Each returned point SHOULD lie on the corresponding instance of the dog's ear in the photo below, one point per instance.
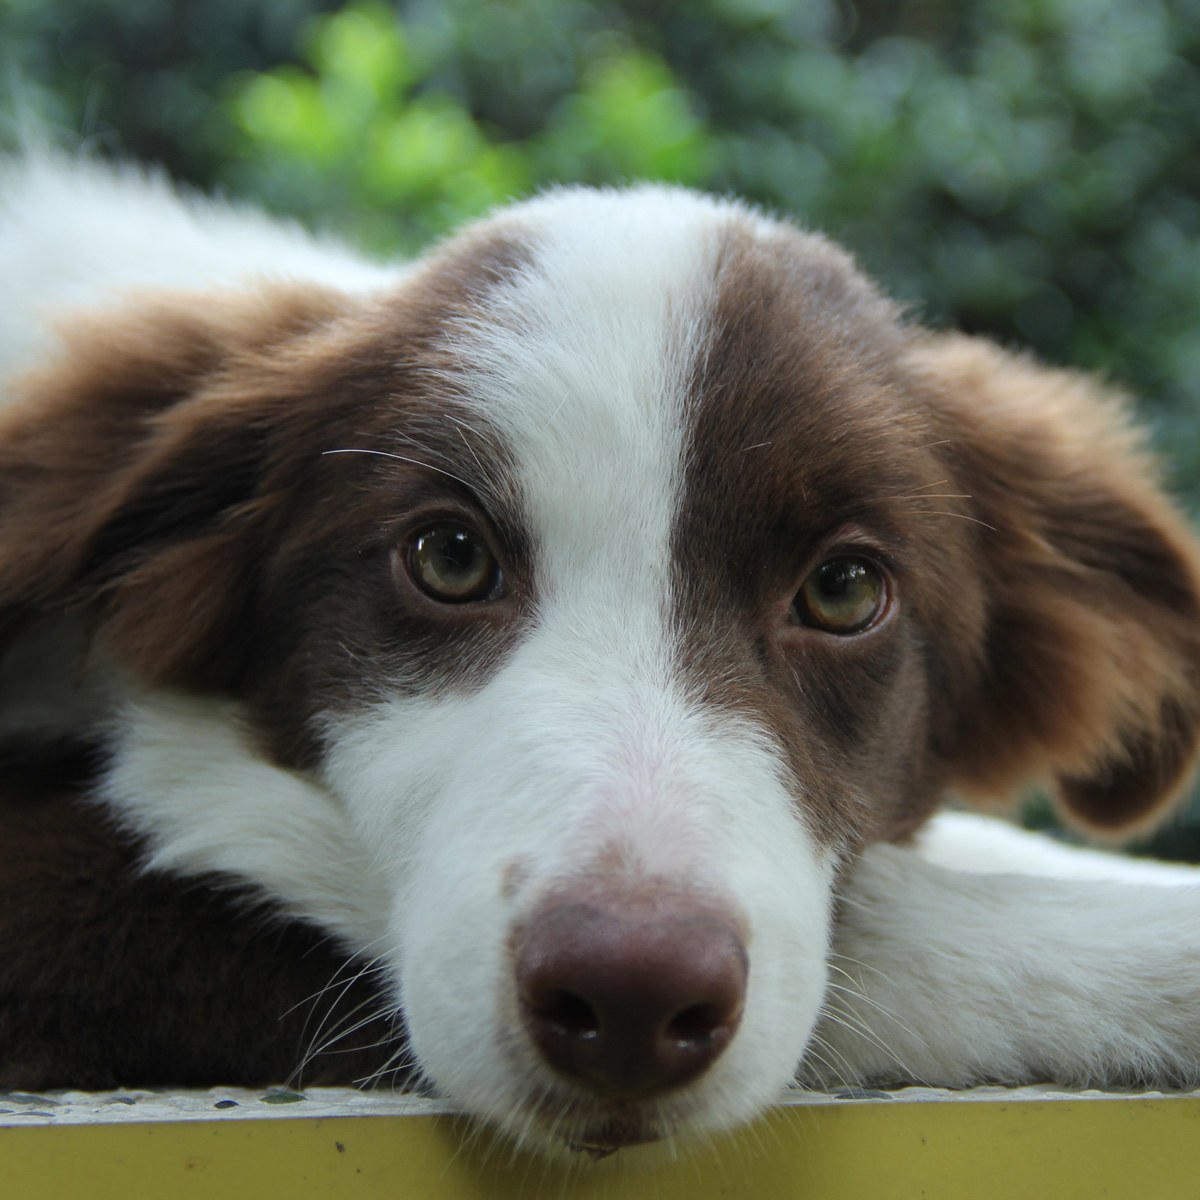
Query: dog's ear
(1089, 677)
(134, 471)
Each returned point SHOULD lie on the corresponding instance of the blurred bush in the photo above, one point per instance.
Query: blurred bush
(379, 124)
(1027, 168)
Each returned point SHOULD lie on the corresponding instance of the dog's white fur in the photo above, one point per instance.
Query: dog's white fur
(956, 977)
(939, 974)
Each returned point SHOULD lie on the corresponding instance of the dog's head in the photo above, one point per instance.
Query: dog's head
(556, 627)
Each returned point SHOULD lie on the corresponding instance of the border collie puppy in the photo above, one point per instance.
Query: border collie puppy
(524, 673)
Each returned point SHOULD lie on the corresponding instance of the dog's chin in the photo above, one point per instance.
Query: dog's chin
(604, 1133)
(596, 1128)
(608, 1134)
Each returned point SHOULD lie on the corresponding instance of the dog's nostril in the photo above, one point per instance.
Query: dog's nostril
(569, 1014)
(630, 1003)
(697, 1024)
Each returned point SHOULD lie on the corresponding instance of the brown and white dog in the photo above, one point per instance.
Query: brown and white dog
(522, 672)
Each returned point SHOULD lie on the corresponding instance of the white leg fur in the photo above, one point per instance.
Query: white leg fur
(955, 978)
(987, 846)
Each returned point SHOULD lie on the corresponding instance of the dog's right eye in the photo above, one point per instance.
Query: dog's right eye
(453, 565)
(846, 594)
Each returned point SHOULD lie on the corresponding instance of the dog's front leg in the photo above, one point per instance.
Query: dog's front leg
(950, 978)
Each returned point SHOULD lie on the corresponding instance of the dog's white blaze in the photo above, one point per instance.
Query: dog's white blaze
(585, 740)
(582, 364)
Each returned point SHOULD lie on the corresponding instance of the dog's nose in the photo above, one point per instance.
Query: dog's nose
(630, 1000)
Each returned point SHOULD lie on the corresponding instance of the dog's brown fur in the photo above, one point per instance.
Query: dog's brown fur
(110, 976)
(1089, 681)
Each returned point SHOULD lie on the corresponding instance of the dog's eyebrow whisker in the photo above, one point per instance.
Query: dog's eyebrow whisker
(935, 496)
(416, 462)
(922, 492)
(460, 422)
(462, 433)
(937, 512)
(755, 446)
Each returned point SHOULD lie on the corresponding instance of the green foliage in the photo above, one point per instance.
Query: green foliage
(367, 124)
(349, 133)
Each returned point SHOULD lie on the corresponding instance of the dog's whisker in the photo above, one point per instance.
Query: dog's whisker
(856, 962)
(347, 1027)
(416, 462)
(854, 1025)
(933, 512)
(855, 990)
(935, 496)
(820, 1050)
(315, 1046)
(339, 980)
(332, 1048)
(400, 1060)
(882, 1009)
(838, 1014)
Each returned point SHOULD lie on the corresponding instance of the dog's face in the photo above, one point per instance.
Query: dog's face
(557, 627)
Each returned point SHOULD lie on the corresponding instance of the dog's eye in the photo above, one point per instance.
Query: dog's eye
(453, 565)
(844, 595)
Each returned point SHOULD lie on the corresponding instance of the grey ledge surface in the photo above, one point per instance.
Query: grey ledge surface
(239, 1104)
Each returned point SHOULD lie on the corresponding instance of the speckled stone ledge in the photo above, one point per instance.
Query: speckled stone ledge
(236, 1104)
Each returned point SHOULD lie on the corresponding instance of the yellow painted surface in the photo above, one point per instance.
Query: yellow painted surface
(1025, 1150)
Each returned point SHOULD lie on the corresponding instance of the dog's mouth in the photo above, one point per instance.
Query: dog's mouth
(608, 1136)
(597, 1129)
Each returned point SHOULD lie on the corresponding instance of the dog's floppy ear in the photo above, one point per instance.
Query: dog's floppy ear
(133, 471)
(1089, 679)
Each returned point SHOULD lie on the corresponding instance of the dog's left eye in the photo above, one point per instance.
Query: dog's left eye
(453, 565)
(845, 594)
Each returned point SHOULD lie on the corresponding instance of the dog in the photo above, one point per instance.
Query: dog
(530, 673)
